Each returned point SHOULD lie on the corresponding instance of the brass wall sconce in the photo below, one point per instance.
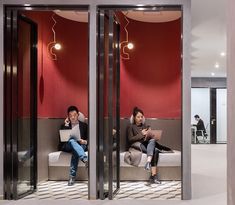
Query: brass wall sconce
(53, 44)
(126, 44)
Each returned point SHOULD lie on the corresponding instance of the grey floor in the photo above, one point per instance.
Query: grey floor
(208, 183)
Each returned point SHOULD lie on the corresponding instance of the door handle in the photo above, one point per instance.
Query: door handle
(213, 121)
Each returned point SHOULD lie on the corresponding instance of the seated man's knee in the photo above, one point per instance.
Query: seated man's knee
(72, 140)
(152, 141)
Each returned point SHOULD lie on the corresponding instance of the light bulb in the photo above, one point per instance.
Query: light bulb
(212, 74)
(130, 46)
(57, 46)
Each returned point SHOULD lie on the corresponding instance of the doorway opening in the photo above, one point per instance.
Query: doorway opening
(139, 65)
(210, 104)
(46, 72)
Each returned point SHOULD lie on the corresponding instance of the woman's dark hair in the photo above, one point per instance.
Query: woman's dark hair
(136, 110)
(72, 108)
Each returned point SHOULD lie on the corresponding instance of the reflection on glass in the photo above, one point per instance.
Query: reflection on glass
(24, 148)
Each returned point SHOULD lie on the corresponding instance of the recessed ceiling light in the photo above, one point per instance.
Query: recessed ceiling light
(216, 65)
(212, 74)
(222, 54)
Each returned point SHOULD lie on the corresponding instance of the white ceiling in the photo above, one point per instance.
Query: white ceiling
(81, 16)
(153, 16)
(208, 34)
(208, 38)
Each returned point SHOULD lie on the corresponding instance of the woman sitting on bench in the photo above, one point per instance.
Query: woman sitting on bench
(138, 139)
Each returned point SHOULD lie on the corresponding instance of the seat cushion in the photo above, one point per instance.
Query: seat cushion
(165, 159)
(61, 158)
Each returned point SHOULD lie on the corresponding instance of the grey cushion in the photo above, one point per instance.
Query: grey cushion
(60, 158)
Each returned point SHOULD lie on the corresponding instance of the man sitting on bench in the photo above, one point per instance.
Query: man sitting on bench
(76, 142)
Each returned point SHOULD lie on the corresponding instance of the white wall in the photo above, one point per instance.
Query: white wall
(221, 115)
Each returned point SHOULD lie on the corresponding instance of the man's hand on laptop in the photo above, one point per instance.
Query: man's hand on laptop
(81, 141)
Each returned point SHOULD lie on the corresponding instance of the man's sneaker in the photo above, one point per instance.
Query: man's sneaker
(85, 161)
(154, 180)
(148, 166)
(71, 181)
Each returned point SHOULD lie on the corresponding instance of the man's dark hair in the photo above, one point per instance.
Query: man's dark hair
(72, 108)
(196, 116)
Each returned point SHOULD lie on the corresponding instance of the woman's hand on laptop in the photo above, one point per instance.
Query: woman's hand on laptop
(81, 141)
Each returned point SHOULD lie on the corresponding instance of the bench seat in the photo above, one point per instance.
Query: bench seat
(169, 166)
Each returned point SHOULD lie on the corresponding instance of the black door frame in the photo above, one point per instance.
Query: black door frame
(11, 103)
(106, 21)
(213, 115)
(10, 93)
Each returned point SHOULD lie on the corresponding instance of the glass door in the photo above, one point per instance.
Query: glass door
(108, 106)
(20, 103)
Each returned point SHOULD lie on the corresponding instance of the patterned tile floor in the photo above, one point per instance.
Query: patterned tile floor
(143, 190)
(167, 190)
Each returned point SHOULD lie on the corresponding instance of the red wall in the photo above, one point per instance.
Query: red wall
(24, 70)
(151, 79)
(63, 82)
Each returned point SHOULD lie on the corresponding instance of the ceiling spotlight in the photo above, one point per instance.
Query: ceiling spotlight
(216, 65)
(130, 46)
(222, 54)
(57, 46)
(212, 74)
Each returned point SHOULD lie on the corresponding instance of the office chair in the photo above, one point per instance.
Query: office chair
(201, 134)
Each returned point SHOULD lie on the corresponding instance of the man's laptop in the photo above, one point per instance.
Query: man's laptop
(74, 133)
(65, 135)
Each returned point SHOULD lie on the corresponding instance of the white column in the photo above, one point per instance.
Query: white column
(92, 104)
(186, 112)
(231, 102)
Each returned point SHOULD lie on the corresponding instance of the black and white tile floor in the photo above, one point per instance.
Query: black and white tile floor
(167, 190)
(143, 190)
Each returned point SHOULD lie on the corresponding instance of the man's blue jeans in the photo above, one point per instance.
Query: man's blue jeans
(78, 152)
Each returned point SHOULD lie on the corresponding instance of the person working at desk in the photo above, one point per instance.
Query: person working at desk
(200, 124)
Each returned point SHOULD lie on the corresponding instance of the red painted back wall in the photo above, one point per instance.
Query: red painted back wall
(151, 79)
(62, 82)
